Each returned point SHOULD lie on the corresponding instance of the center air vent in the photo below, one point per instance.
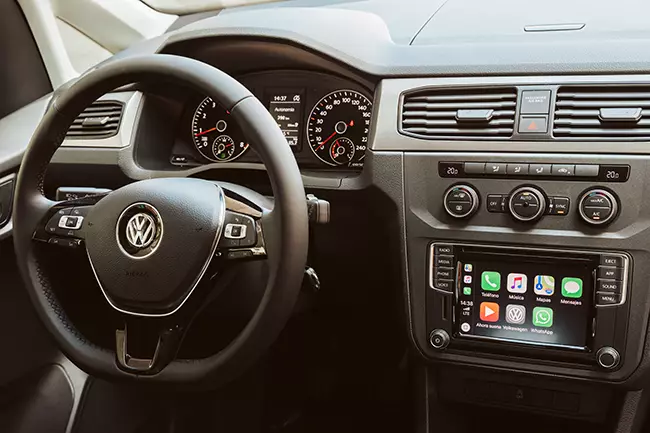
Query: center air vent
(603, 112)
(100, 120)
(459, 113)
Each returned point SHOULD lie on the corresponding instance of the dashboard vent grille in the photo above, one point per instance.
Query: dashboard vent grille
(602, 112)
(100, 120)
(459, 113)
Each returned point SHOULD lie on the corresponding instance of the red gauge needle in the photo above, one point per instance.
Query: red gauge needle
(206, 131)
(333, 134)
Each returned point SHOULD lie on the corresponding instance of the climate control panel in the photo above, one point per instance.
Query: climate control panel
(529, 203)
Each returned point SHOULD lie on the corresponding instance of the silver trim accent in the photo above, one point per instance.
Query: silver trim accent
(540, 197)
(141, 230)
(7, 228)
(217, 237)
(609, 196)
(611, 351)
(446, 339)
(474, 196)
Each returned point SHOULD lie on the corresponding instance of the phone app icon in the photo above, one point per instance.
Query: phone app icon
(468, 267)
(571, 287)
(489, 311)
(467, 291)
(515, 314)
(544, 285)
(491, 281)
(543, 317)
(517, 283)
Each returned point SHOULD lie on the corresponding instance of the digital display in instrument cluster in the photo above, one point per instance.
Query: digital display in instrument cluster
(285, 105)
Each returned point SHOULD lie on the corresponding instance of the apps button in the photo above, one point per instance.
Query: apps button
(489, 311)
(517, 283)
(491, 281)
(515, 314)
(544, 285)
(571, 287)
(543, 317)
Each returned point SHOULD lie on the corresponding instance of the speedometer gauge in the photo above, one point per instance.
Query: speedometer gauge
(215, 133)
(338, 127)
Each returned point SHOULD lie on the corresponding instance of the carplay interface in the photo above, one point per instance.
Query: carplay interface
(536, 300)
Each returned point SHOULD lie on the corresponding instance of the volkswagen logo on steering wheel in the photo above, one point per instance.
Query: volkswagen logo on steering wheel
(139, 230)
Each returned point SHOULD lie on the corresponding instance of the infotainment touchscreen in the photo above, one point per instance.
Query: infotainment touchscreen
(534, 299)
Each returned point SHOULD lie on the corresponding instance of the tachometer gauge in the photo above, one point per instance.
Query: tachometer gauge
(215, 133)
(338, 127)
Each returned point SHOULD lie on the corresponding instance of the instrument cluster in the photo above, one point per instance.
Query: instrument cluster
(325, 119)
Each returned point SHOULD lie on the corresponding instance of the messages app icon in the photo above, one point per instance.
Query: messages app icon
(571, 287)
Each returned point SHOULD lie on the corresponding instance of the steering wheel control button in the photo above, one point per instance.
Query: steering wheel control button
(496, 203)
(608, 358)
(439, 339)
(567, 170)
(535, 102)
(235, 231)
(239, 254)
(527, 204)
(70, 222)
(461, 201)
(533, 124)
(517, 169)
(598, 207)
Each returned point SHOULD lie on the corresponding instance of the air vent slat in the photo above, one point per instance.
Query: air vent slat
(459, 113)
(99, 120)
(578, 113)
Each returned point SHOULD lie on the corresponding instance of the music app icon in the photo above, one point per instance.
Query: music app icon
(517, 283)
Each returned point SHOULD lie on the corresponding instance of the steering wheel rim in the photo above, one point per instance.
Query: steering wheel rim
(289, 212)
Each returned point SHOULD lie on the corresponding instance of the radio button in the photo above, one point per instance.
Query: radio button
(444, 261)
(610, 273)
(443, 249)
(609, 286)
(607, 298)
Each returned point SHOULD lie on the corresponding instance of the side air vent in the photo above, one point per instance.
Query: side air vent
(459, 113)
(100, 120)
(603, 112)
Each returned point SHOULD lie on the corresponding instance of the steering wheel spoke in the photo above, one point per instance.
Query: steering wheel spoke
(169, 341)
(64, 223)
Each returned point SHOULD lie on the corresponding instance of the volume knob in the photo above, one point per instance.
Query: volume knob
(608, 358)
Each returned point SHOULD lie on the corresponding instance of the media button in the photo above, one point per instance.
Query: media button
(489, 311)
(444, 261)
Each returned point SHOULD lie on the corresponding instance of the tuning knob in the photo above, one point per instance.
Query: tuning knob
(527, 203)
(608, 358)
(461, 201)
(439, 339)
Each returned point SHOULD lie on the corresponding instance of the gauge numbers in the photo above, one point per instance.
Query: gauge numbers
(215, 134)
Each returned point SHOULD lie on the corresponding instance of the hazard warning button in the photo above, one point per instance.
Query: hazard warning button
(533, 124)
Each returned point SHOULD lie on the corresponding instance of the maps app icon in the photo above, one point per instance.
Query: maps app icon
(544, 285)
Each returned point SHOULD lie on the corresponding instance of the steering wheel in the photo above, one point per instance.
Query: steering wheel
(157, 246)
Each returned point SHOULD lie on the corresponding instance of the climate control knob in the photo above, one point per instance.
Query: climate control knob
(461, 201)
(527, 203)
(598, 207)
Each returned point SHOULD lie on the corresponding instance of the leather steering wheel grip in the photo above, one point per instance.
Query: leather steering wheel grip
(288, 218)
